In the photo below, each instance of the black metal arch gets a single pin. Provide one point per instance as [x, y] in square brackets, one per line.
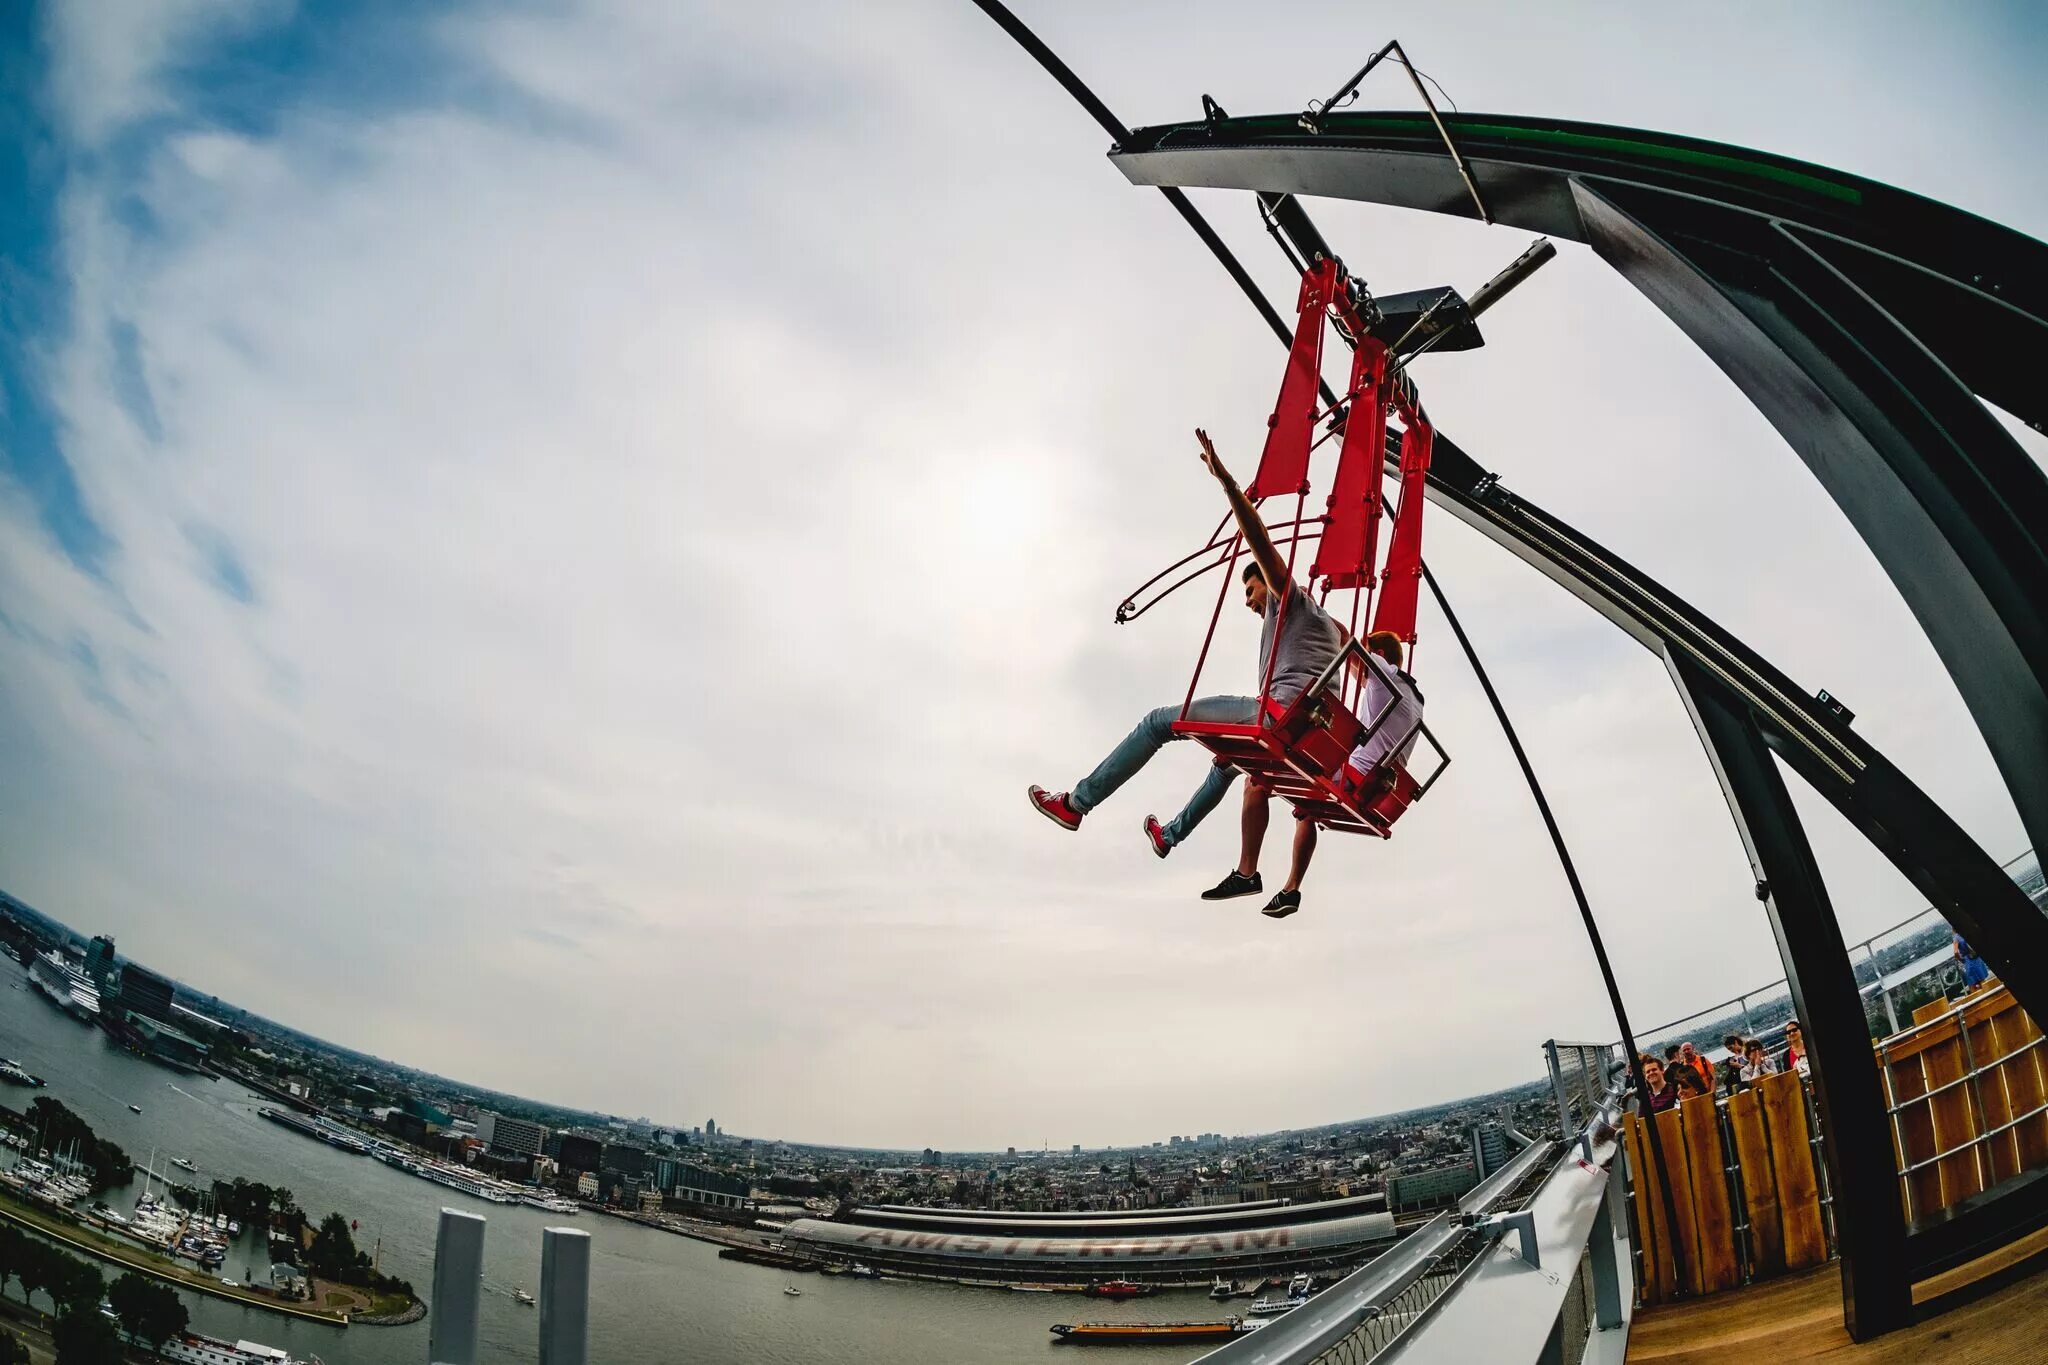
[1862, 321]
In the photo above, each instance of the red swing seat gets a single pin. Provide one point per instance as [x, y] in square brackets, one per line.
[1301, 750]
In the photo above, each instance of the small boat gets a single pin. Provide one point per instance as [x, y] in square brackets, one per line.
[182, 1164]
[864, 1272]
[1031, 1289]
[134, 1108]
[523, 1297]
[1126, 1333]
[14, 1074]
[791, 1290]
[1119, 1289]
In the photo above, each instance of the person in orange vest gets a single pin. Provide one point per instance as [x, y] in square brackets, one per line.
[1689, 1057]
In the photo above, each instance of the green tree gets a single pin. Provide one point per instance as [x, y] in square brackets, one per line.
[12, 1352]
[333, 1254]
[60, 1128]
[37, 1268]
[78, 1286]
[87, 1338]
[13, 1254]
[152, 1313]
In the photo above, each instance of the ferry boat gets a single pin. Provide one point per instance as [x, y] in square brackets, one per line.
[1119, 1289]
[1273, 1308]
[1129, 1333]
[66, 986]
[550, 1203]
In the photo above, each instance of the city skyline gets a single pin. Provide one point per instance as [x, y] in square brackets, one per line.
[238, 1017]
[550, 544]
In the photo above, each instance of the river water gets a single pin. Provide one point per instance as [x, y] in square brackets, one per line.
[655, 1296]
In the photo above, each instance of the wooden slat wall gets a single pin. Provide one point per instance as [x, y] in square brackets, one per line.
[1799, 1218]
[1993, 1031]
[1772, 1145]
[1659, 1279]
[1687, 1234]
[2026, 1085]
[1997, 1159]
[1759, 1188]
[1780, 1189]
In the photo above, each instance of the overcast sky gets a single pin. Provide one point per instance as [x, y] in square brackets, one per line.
[546, 542]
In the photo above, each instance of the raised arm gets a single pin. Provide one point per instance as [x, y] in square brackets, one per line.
[1256, 537]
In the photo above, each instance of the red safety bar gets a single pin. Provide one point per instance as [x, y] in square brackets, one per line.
[1301, 750]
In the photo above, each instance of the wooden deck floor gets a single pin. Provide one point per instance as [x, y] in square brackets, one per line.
[1799, 1318]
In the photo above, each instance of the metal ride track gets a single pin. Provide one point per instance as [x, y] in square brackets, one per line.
[1862, 321]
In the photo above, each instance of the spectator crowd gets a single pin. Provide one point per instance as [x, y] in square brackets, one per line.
[1684, 1072]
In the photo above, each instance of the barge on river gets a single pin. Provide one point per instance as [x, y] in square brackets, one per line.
[1142, 1333]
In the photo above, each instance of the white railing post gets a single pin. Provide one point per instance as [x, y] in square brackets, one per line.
[458, 1289]
[564, 1297]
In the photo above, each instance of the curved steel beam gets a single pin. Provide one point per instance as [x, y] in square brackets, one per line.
[1862, 320]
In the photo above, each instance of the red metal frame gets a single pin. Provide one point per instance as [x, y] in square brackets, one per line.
[1300, 750]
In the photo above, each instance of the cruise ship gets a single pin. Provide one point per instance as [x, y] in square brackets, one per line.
[66, 986]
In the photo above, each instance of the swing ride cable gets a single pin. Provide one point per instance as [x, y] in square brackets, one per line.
[1061, 72]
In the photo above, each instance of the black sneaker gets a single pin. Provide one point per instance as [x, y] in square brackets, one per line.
[1234, 886]
[1282, 905]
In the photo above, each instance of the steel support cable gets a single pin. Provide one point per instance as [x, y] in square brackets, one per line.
[1061, 72]
[1593, 936]
[1074, 86]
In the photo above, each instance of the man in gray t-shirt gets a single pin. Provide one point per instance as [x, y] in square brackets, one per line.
[1308, 641]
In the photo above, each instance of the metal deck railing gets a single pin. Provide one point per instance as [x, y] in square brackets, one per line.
[1909, 961]
[1530, 1255]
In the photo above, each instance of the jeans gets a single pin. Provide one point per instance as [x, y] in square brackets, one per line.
[1206, 798]
[1145, 740]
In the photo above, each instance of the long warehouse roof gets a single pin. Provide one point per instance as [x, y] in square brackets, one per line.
[1170, 1245]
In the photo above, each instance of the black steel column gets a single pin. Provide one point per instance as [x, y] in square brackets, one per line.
[1877, 1282]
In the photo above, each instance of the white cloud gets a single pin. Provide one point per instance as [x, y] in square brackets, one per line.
[684, 495]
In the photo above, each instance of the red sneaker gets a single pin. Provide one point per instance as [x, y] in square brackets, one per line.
[1055, 807]
[1157, 836]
